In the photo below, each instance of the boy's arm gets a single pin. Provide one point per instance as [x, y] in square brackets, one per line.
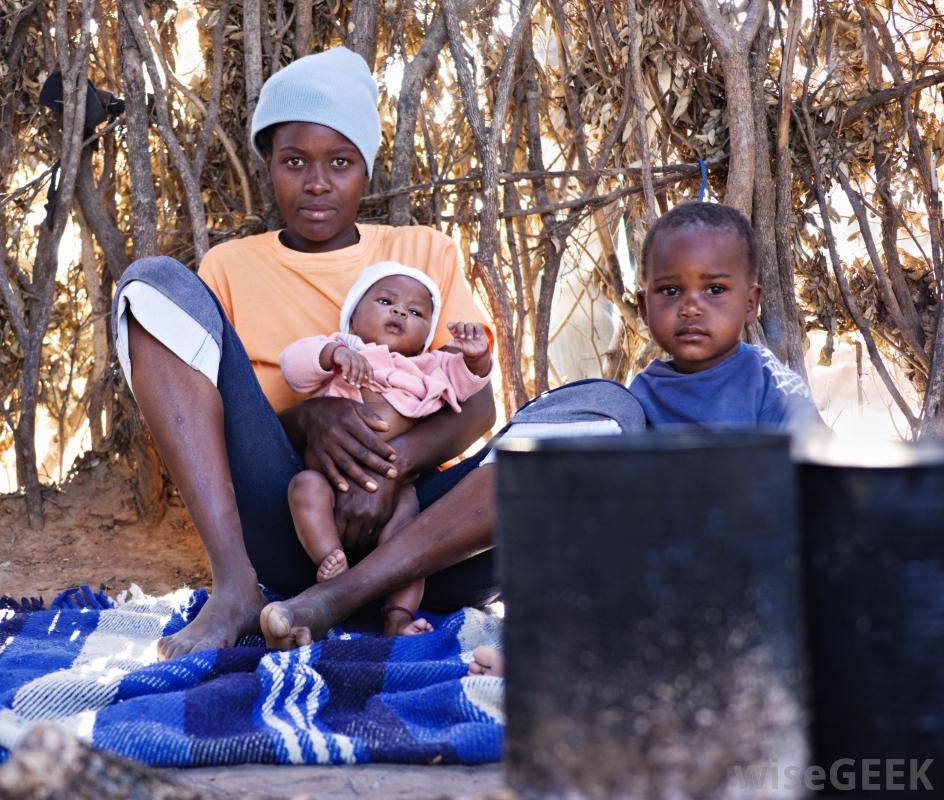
[788, 402]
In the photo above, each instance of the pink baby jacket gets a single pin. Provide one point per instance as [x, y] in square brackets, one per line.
[416, 386]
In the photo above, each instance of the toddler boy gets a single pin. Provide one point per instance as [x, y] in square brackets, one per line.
[699, 279]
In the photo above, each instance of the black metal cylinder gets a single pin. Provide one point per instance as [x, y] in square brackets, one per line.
[653, 626]
[873, 540]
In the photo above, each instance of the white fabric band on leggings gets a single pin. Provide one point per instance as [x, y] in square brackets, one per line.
[170, 325]
[547, 430]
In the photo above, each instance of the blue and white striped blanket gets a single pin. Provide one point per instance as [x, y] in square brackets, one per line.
[348, 699]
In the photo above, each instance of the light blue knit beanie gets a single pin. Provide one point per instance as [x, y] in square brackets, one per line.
[332, 88]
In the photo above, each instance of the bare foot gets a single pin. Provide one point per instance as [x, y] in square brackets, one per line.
[397, 621]
[302, 620]
[414, 627]
[226, 616]
[487, 661]
[332, 565]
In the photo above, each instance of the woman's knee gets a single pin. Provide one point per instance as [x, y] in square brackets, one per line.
[174, 307]
[144, 266]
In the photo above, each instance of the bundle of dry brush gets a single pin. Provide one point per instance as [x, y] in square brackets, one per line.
[531, 131]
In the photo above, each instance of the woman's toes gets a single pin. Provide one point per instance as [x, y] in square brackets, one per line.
[301, 636]
[276, 621]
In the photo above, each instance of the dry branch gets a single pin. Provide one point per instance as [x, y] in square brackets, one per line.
[642, 137]
[911, 335]
[733, 45]
[784, 224]
[415, 74]
[143, 200]
[861, 323]
[487, 139]
[186, 168]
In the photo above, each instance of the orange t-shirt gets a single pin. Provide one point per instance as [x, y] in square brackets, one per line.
[274, 296]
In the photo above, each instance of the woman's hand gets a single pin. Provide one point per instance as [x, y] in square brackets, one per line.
[339, 438]
[361, 515]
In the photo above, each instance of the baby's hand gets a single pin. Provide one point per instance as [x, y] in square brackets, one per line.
[470, 340]
[355, 369]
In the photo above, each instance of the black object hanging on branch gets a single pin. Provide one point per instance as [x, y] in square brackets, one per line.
[100, 106]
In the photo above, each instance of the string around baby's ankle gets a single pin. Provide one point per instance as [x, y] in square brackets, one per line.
[385, 610]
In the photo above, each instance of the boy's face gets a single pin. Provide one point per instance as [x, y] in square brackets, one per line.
[395, 311]
[698, 295]
[319, 177]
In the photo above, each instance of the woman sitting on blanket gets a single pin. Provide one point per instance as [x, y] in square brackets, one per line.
[202, 359]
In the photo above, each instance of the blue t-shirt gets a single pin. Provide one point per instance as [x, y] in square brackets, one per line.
[749, 389]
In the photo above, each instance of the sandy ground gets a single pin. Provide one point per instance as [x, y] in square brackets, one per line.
[93, 536]
[368, 782]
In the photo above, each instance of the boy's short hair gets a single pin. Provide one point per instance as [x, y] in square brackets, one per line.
[710, 215]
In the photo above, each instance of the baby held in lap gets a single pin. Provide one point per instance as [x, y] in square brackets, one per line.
[380, 357]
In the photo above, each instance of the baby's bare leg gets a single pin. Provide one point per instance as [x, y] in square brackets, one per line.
[457, 526]
[311, 499]
[401, 622]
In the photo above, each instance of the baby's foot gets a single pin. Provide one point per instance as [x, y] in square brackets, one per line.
[400, 622]
[332, 565]
[415, 627]
[487, 661]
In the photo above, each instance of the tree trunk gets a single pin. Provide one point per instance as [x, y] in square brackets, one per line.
[150, 484]
[362, 30]
[42, 288]
[24, 447]
[96, 386]
[186, 169]
[110, 239]
[739, 190]
[784, 224]
[642, 135]
[415, 74]
[733, 47]
[143, 202]
[487, 149]
[252, 60]
[932, 414]
[304, 29]
[774, 319]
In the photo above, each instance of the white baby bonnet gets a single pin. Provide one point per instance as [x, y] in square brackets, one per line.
[385, 269]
